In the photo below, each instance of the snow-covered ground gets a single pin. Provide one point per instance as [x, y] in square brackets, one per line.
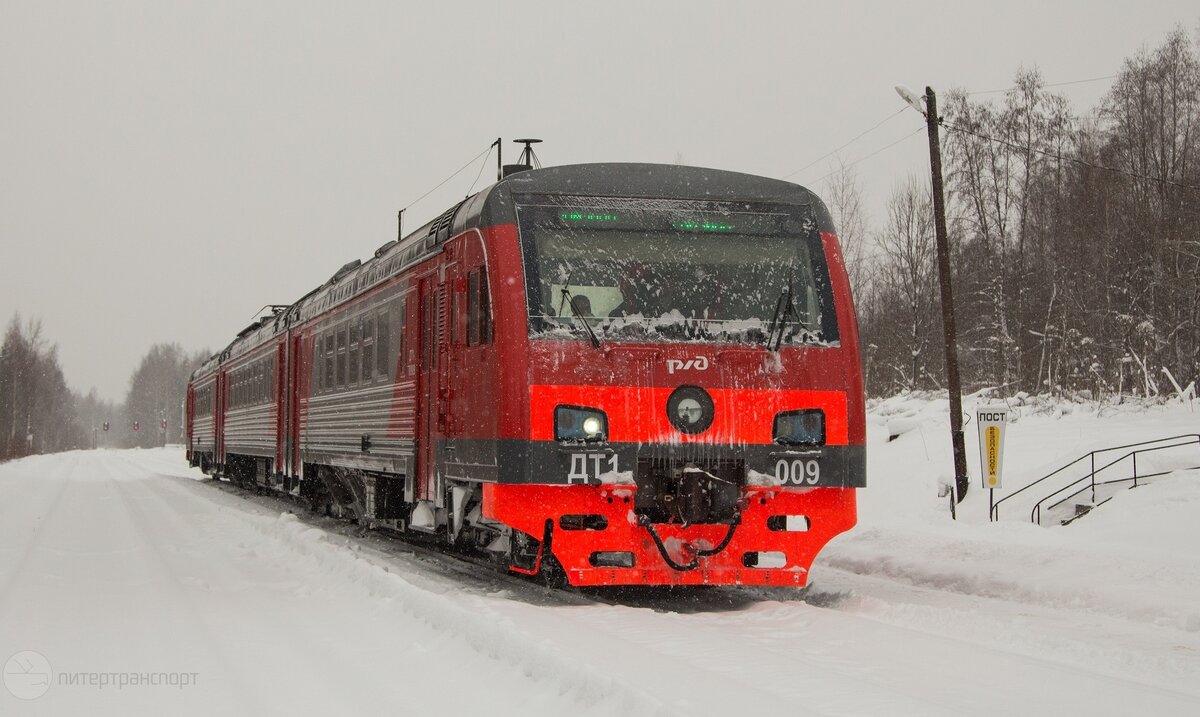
[129, 586]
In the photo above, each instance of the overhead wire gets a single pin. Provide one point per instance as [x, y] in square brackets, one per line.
[481, 166]
[872, 154]
[487, 151]
[857, 137]
[886, 119]
[1052, 84]
[1064, 158]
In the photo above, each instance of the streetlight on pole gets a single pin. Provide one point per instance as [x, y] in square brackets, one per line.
[949, 333]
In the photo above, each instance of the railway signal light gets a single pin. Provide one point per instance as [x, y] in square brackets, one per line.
[137, 426]
[106, 425]
[164, 424]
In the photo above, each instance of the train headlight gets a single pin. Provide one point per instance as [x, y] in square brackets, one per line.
[576, 423]
[592, 426]
[800, 428]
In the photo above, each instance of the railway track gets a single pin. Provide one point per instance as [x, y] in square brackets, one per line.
[482, 574]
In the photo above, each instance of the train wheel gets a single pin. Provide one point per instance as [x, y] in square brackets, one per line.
[552, 572]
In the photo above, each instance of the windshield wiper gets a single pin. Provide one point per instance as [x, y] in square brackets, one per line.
[784, 305]
[569, 298]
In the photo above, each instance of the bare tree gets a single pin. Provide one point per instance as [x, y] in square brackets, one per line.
[36, 406]
[906, 246]
[156, 391]
[844, 198]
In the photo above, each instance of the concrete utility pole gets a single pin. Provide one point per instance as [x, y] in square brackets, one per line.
[949, 332]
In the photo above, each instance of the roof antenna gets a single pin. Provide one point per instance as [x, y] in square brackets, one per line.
[527, 156]
[528, 160]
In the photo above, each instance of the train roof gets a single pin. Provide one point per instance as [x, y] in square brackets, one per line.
[495, 204]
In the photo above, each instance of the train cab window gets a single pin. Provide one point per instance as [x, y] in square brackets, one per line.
[383, 343]
[341, 357]
[354, 353]
[368, 347]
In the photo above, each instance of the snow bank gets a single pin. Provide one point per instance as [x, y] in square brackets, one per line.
[1134, 557]
[491, 635]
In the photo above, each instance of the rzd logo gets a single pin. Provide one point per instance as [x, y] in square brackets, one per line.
[700, 363]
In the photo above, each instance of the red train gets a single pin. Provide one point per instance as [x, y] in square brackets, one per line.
[610, 373]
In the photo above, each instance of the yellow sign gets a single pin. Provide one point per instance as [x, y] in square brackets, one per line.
[992, 448]
[991, 421]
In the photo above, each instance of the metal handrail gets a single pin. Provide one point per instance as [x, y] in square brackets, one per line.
[1035, 514]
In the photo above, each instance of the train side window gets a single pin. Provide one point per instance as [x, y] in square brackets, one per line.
[368, 347]
[403, 340]
[406, 362]
[399, 331]
[328, 383]
[341, 356]
[355, 351]
[318, 363]
[383, 344]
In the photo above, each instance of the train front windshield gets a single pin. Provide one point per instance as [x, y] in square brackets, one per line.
[666, 270]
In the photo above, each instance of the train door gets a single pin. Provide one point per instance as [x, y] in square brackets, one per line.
[432, 320]
[189, 417]
[219, 419]
[281, 406]
[296, 370]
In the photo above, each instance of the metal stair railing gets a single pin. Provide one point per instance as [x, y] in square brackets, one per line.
[1035, 515]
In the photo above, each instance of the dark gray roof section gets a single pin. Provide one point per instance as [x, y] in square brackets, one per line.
[494, 205]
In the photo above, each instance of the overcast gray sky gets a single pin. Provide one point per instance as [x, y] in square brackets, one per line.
[167, 168]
